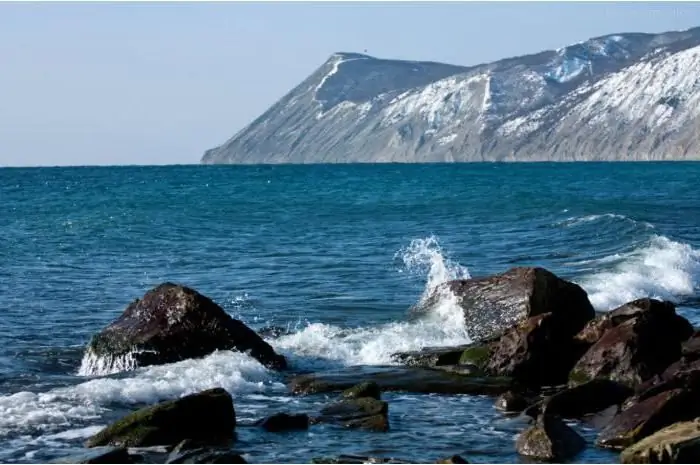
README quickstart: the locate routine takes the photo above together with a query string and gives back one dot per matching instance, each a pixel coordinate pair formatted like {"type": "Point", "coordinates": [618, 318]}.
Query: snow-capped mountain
{"type": "Point", "coordinates": [617, 97]}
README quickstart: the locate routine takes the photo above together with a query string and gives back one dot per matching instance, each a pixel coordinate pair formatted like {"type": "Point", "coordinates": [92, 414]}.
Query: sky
{"type": "Point", "coordinates": [160, 83]}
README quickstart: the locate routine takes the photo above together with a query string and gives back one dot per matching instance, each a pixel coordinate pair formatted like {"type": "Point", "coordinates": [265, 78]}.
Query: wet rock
{"type": "Point", "coordinates": [204, 455]}
{"type": "Point", "coordinates": [649, 416]}
{"type": "Point", "coordinates": [366, 389]}
{"type": "Point", "coordinates": [172, 323]}
{"type": "Point", "coordinates": [588, 398]}
{"type": "Point", "coordinates": [549, 439]}
{"type": "Point", "coordinates": [678, 443]}
{"type": "Point", "coordinates": [363, 413]}
{"type": "Point", "coordinates": [98, 455]}
{"type": "Point", "coordinates": [476, 354]}
{"type": "Point", "coordinates": [399, 378]}
{"type": "Point", "coordinates": [285, 422]}
{"type": "Point", "coordinates": [493, 304]}
{"type": "Point", "coordinates": [513, 402]}
{"type": "Point", "coordinates": [539, 351]}
{"type": "Point", "coordinates": [643, 338]}
{"type": "Point", "coordinates": [453, 459]}
{"type": "Point", "coordinates": [207, 417]}
{"type": "Point", "coordinates": [690, 349]}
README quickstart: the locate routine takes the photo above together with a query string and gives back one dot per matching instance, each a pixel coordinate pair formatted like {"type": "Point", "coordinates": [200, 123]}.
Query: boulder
{"type": "Point", "coordinates": [399, 378]}
{"type": "Point", "coordinates": [493, 304]}
{"type": "Point", "coordinates": [539, 351]}
{"type": "Point", "coordinates": [549, 439]}
{"type": "Point", "coordinates": [642, 339]}
{"type": "Point", "coordinates": [206, 417]}
{"type": "Point", "coordinates": [98, 455]}
{"type": "Point", "coordinates": [678, 443]}
{"type": "Point", "coordinates": [363, 413]}
{"type": "Point", "coordinates": [586, 399]}
{"type": "Point", "coordinates": [172, 323]}
{"type": "Point", "coordinates": [366, 389]}
{"type": "Point", "coordinates": [644, 418]}
{"type": "Point", "coordinates": [285, 422]}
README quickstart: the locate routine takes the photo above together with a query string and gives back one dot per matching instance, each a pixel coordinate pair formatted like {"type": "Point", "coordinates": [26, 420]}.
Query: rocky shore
{"type": "Point", "coordinates": [539, 350]}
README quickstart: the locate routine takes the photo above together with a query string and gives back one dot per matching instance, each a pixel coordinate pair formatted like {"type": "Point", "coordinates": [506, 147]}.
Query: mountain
{"type": "Point", "coordinates": [617, 97]}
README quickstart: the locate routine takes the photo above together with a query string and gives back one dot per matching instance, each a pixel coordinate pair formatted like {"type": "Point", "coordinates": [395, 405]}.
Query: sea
{"type": "Point", "coordinates": [334, 254]}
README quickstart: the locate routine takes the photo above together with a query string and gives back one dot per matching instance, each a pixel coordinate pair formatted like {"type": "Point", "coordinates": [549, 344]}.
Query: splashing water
{"type": "Point", "coordinates": [663, 269]}
{"type": "Point", "coordinates": [319, 345]}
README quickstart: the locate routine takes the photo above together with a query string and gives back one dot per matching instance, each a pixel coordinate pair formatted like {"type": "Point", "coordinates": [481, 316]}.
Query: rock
{"type": "Point", "coordinates": [493, 304]}
{"type": "Point", "coordinates": [208, 417]}
{"type": "Point", "coordinates": [690, 349]}
{"type": "Point", "coordinates": [366, 389]}
{"type": "Point", "coordinates": [285, 422]}
{"type": "Point", "coordinates": [513, 402]}
{"type": "Point", "coordinates": [273, 332]}
{"type": "Point", "coordinates": [439, 356]}
{"type": "Point", "coordinates": [585, 399]}
{"type": "Point", "coordinates": [539, 351]}
{"type": "Point", "coordinates": [172, 323]}
{"type": "Point", "coordinates": [205, 456]}
{"type": "Point", "coordinates": [399, 378]}
{"type": "Point", "coordinates": [649, 416]}
{"type": "Point", "coordinates": [453, 459]}
{"type": "Point", "coordinates": [646, 341]}
{"type": "Point", "coordinates": [98, 455]}
{"type": "Point", "coordinates": [362, 413]}
{"type": "Point", "coordinates": [549, 439]}
{"type": "Point", "coordinates": [678, 443]}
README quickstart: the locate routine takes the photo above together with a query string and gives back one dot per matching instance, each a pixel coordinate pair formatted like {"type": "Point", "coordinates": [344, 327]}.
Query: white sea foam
{"type": "Point", "coordinates": [662, 268]}
{"type": "Point", "coordinates": [580, 220]}
{"type": "Point", "coordinates": [319, 344]}
{"type": "Point", "coordinates": [60, 408]}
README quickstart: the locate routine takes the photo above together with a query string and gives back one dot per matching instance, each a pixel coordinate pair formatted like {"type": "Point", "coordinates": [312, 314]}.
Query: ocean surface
{"type": "Point", "coordinates": [337, 254]}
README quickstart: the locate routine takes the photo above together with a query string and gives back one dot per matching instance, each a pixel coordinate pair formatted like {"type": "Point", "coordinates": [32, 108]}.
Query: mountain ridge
{"type": "Point", "coordinates": [628, 96]}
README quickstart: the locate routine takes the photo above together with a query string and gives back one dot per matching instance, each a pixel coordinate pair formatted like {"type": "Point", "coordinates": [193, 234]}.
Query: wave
{"type": "Point", "coordinates": [579, 220]}
{"type": "Point", "coordinates": [61, 408]}
{"type": "Point", "coordinates": [320, 345]}
{"type": "Point", "coordinates": [661, 268]}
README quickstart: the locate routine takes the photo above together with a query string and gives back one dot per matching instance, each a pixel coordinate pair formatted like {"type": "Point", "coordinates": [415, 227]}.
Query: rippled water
{"type": "Point", "coordinates": [335, 253]}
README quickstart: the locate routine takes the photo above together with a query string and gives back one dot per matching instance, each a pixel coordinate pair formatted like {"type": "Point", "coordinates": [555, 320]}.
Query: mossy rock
{"type": "Point", "coordinates": [206, 417]}
{"type": "Point", "coordinates": [366, 389]}
{"type": "Point", "coordinates": [477, 355]}
{"type": "Point", "coordinates": [577, 377]}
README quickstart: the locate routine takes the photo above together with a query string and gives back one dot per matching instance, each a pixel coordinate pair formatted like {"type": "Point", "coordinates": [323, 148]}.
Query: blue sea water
{"type": "Point", "coordinates": [337, 254]}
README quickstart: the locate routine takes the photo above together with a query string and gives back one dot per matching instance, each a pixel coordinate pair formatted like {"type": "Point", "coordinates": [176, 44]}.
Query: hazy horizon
{"type": "Point", "coordinates": [153, 84]}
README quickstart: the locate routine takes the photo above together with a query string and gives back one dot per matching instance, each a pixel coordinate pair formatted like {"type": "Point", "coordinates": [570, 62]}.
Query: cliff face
{"type": "Point", "coordinates": [617, 97]}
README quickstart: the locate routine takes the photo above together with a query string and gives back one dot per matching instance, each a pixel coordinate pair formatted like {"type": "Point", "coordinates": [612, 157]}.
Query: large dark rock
{"type": "Point", "coordinates": [493, 304]}
{"type": "Point", "coordinates": [98, 455]}
{"type": "Point", "coordinates": [678, 443]}
{"type": "Point", "coordinates": [644, 418]}
{"type": "Point", "coordinates": [639, 341]}
{"type": "Point", "coordinates": [539, 351]}
{"type": "Point", "coordinates": [285, 422]}
{"type": "Point", "coordinates": [206, 417]}
{"type": "Point", "coordinates": [586, 399]}
{"type": "Point", "coordinates": [399, 378]}
{"type": "Point", "coordinates": [363, 413]}
{"type": "Point", "coordinates": [172, 323]}
{"type": "Point", "coordinates": [549, 439]}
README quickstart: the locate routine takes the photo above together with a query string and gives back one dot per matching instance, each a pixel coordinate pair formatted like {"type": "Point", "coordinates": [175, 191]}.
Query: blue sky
{"type": "Point", "coordinates": [157, 83]}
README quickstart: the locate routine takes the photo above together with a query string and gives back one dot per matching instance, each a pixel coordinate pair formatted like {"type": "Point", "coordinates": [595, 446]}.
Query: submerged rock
{"type": "Point", "coordinates": [207, 417]}
{"type": "Point", "coordinates": [453, 459]}
{"type": "Point", "coordinates": [649, 416]}
{"type": "Point", "coordinates": [98, 455]}
{"type": "Point", "coordinates": [357, 459]}
{"type": "Point", "coordinates": [678, 443]}
{"type": "Point", "coordinates": [172, 323]}
{"type": "Point", "coordinates": [549, 439]}
{"type": "Point", "coordinates": [513, 402]}
{"type": "Point", "coordinates": [366, 389]}
{"type": "Point", "coordinates": [285, 422]}
{"type": "Point", "coordinates": [493, 304]}
{"type": "Point", "coordinates": [585, 399]}
{"type": "Point", "coordinates": [187, 452]}
{"type": "Point", "coordinates": [362, 413]}
{"type": "Point", "coordinates": [399, 378]}
{"type": "Point", "coordinates": [639, 340]}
